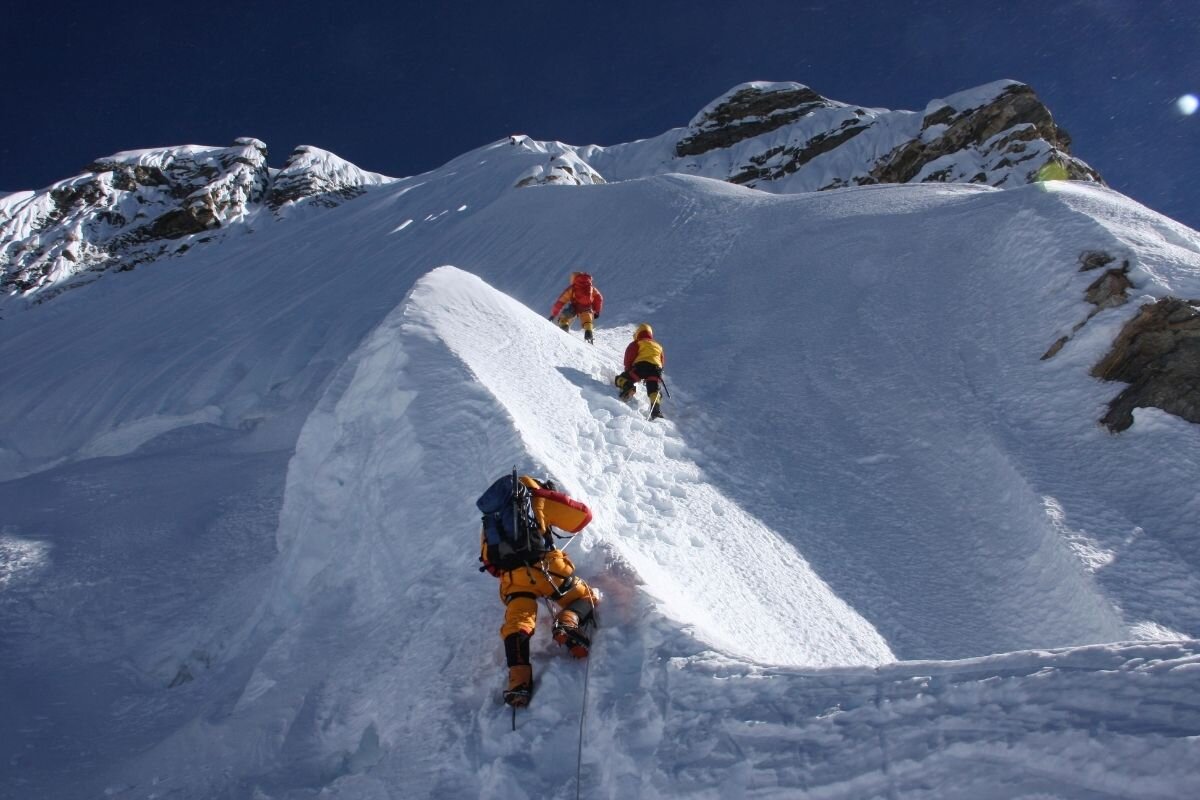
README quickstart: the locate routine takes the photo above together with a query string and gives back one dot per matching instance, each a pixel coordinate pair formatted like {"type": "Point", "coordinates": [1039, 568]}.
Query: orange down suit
{"type": "Point", "coordinates": [543, 579]}
{"type": "Point", "coordinates": [553, 576]}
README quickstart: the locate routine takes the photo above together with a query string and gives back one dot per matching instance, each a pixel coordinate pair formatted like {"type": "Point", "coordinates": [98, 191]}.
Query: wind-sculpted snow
{"type": "Point", "coordinates": [1036, 724]}
{"type": "Point", "coordinates": [453, 388]}
{"type": "Point", "coordinates": [370, 525]}
{"type": "Point", "coordinates": [713, 566]}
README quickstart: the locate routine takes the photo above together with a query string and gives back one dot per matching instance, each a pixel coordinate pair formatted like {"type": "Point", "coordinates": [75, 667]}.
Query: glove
{"type": "Point", "coordinates": [551, 318]}
{"type": "Point", "coordinates": [595, 316]}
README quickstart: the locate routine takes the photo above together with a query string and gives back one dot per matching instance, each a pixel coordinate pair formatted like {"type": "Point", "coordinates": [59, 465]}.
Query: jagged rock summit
{"type": "Point", "coordinates": [126, 209]}
{"type": "Point", "coordinates": [143, 205]}
{"type": "Point", "coordinates": [785, 137]}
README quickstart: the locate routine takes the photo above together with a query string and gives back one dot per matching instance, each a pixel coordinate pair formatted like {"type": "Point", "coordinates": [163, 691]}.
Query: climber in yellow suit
{"type": "Point", "coordinates": [540, 571]}
{"type": "Point", "coordinates": [644, 361]}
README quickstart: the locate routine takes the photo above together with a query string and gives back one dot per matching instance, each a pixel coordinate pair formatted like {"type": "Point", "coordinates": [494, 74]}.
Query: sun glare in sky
{"type": "Point", "coordinates": [1188, 104]}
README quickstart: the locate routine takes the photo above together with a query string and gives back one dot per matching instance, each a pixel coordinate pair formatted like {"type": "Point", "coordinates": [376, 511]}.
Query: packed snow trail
{"type": "Point", "coordinates": [711, 565]}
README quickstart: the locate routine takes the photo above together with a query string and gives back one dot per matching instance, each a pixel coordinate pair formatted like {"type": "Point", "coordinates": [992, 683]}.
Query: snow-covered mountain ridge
{"type": "Point", "coordinates": [879, 548]}
{"type": "Point", "coordinates": [144, 205]}
{"type": "Point", "coordinates": [139, 206]}
{"type": "Point", "coordinates": [784, 137]}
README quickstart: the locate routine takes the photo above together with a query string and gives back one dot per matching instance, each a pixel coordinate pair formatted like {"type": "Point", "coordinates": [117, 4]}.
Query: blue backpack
{"type": "Point", "coordinates": [511, 537]}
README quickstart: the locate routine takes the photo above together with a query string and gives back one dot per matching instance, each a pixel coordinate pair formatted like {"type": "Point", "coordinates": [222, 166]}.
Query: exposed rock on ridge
{"type": "Point", "coordinates": [1107, 291]}
{"type": "Point", "coordinates": [565, 168]}
{"type": "Point", "coordinates": [321, 178]}
{"type": "Point", "coordinates": [785, 138]}
{"type": "Point", "coordinates": [126, 209]}
{"type": "Point", "coordinates": [1158, 354]}
{"type": "Point", "coordinates": [748, 111]}
{"type": "Point", "coordinates": [778, 137]}
{"type": "Point", "coordinates": [141, 205]}
{"type": "Point", "coordinates": [1002, 133]}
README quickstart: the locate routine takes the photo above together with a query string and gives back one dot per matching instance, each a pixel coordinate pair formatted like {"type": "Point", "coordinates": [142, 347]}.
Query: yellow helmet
{"type": "Point", "coordinates": [643, 328]}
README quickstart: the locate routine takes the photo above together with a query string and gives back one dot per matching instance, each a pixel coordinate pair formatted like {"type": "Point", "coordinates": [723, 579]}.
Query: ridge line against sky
{"type": "Point", "coordinates": [403, 89]}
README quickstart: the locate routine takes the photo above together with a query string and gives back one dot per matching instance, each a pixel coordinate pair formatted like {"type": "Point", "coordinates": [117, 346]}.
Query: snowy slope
{"type": "Point", "coordinates": [877, 549]}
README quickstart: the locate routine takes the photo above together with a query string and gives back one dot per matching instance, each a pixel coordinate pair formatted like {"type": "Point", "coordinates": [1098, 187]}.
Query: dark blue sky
{"type": "Point", "coordinates": [400, 87]}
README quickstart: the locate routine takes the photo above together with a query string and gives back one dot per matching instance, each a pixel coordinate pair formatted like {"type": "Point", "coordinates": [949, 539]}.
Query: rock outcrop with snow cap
{"type": "Point", "coordinates": [999, 134]}
{"type": "Point", "coordinates": [785, 137]}
{"type": "Point", "coordinates": [142, 205]}
{"type": "Point", "coordinates": [561, 169]}
{"type": "Point", "coordinates": [320, 178]}
{"type": "Point", "coordinates": [747, 111]}
{"type": "Point", "coordinates": [126, 209]}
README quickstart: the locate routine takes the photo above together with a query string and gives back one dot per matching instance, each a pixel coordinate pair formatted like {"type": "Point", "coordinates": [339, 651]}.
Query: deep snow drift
{"type": "Point", "coordinates": [877, 549]}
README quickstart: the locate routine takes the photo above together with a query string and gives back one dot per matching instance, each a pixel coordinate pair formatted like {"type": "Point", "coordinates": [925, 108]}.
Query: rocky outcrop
{"type": "Point", "coordinates": [124, 210]}
{"type": "Point", "coordinates": [746, 112]}
{"type": "Point", "coordinates": [144, 205]}
{"type": "Point", "coordinates": [1108, 291]}
{"type": "Point", "coordinates": [139, 206]}
{"type": "Point", "coordinates": [318, 177]}
{"type": "Point", "coordinates": [780, 161]}
{"type": "Point", "coordinates": [1004, 137]}
{"type": "Point", "coordinates": [785, 138]}
{"type": "Point", "coordinates": [1158, 354]}
{"type": "Point", "coordinates": [561, 169]}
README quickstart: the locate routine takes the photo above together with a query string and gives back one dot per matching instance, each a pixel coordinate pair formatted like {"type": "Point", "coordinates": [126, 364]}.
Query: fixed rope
{"type": "Point", "coordinates": [587, 669]}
